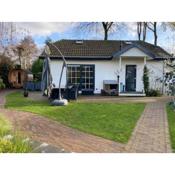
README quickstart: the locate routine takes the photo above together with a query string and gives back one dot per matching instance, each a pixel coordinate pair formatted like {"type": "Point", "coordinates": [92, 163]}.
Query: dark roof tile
{"type": "Point", "coordinates": [101, 48]}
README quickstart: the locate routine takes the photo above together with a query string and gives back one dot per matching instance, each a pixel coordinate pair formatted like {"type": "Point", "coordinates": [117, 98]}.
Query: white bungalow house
{"type": "Point", "coordinates": [95, 65]}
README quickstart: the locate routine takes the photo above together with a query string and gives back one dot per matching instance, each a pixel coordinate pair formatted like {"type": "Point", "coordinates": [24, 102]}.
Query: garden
{"type": "Point", "coordinates": [12, 142]}
{"type": "Point", "coordinates": [108, 120]}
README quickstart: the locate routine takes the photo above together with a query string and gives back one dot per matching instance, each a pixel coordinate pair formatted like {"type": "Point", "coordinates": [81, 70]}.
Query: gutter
{"type": "Point", "coordinates": [80, 57]}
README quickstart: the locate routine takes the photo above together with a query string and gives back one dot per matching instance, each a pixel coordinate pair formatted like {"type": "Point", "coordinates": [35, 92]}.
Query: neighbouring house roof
{"type": "Point", "coordinates": [100, 49]}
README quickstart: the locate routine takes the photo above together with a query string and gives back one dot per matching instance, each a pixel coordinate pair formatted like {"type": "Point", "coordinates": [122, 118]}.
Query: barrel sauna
{"type": "Point", "coordinates": [17, 78]}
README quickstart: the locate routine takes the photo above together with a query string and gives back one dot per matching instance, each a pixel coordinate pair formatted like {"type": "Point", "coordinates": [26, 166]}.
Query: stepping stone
{"type": "Point", "coordinates": [39, 147]}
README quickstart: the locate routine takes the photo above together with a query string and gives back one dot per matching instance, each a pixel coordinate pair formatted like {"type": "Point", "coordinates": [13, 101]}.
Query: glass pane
{"type": "Point", "coordinates": [91, 74]}
{"type": "Point", "coordinates": [78, 80]}
{"type": "Point", "coordinates": [91, 86]}
{"type": "Point", "coordinates": [69, 74]}
{"type": "Point", "coordinates": [87, 80]}
{"type": "Point", "coordinates": [87, 74]}
{"type": "Point", "coordinates": [91, 81]}
{"type": "Point", "coordinates": [69, 81]}
{"type": "Point", "coordinates": [73, 80]}
{"type": "Point", "coordinates": [83, 86]}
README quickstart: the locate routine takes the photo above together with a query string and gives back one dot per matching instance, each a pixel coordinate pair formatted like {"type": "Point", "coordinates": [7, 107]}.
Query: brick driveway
{"type": "Point", "coordinates": [150, 134]}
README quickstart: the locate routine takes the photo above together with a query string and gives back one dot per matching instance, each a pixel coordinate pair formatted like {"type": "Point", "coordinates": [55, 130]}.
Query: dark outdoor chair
{"type": "Point", "coordinates": [71, 92]}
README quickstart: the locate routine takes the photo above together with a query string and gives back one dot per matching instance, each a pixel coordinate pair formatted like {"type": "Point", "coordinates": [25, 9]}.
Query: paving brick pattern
{"type": "Point", "coordinates": [56, 134]}
{"type": "Point", "coordinates": [149, 136]}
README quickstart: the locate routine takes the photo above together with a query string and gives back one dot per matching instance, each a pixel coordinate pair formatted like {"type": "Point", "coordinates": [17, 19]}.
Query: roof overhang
{"type": "Point", "coordinates": [164, 58]}
{"type": "Point", "coordinates": [79, 57]}
{"type": "Point", "coordinates": [118, 54]}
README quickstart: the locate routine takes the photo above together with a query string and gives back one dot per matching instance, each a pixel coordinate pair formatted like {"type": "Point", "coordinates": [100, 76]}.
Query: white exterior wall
{"type": "Point", "coordinates": [134, 56]}
{"type": "Point", "coordinates": [155, 74]}
{"type": "Point", "coordinates": [134, 52]}
{"type": "Point", "coordinates": [139, 62]}
{"type": "Point", "coordinates": [104, 70]}
{"type": "Point", "coordinates": [108, 70]}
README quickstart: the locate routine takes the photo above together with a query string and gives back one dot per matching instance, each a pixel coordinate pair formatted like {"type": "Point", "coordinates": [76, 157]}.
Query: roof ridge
{"type": "Point", "coordinates": [123, 40]}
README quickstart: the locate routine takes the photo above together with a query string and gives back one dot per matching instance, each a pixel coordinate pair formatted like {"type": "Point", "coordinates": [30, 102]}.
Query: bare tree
{"type": "Point", "coordinates": [141, 30]}
{"type": "Point", "coordinates": [106, 26]}
{"type": "Point", "coordinates": [10, 35]}
{"type": "Point", "coordinates": [153, 27]}
{"type": "Point", "coordinates": [169, 24]}
{"type": "Point", "coordinates": [144, 30]}
{"type": "Point", "coordinates": [28, 51]}
{"type": "Point", "coordinates": [97, 26]}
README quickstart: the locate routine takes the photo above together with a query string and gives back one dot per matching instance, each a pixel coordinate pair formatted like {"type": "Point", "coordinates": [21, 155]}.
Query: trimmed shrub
{"type": "Point", "coordinates": [146, 80]}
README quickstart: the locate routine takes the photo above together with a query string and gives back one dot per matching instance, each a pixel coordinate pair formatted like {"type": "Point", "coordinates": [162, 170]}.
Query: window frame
{"type": "Point", "coordinates": [90, 85]}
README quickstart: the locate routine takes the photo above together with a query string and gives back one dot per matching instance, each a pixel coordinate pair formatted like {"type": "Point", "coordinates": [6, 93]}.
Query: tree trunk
{"type": "Point", "coordinates": [153, 27]}
{"type": "Point", "coordinates": [155, 33]}
{"type": "Point", "coordinates": [139, 30]}
{"type": "Point", "coordinates": [105, 28]}
{"type": "Point", "coordinates": [105, 35]}
{"type": "Point", "coordinates": [144, 30]}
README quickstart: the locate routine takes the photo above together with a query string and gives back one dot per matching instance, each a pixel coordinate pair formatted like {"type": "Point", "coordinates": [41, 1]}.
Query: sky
{"type": "Point", "coordinates": [40, 31]}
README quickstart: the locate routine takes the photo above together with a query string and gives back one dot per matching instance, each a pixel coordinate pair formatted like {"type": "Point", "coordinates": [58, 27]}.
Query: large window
{"type": "Point", "coordinates": [87, 77]}
{"type": "Point", "coordinates": [82, 75]}
{"type": "Point", "coordinates": [73, 74]}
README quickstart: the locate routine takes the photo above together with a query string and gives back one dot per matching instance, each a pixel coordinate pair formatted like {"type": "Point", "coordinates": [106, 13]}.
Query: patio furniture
{"type": "Point", "coordinates": [110, 87]}
{"type": "Point", "coordinates": [71, 92]}
{"type": "Point", "coordinates": [112, 92]}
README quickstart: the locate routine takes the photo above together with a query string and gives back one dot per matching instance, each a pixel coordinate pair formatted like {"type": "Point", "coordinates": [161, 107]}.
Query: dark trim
{"type": "Point", "coordinates": [165, 58]}
{"type": "Point", "coordinates": [81, 74]}
{"type": "Point", "coordinates": [135, 76]}
{"type": "Point", "coordinates": [93, 58]}
{"type": "Point", "coordinates": [117, 54]}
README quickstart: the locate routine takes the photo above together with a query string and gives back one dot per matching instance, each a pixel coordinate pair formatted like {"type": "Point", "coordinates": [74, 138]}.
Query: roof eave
{"type": "Point", "coordinates": [117, 54]}
{"type": "Point", "coordinates": [79, 57]}
{"type": "Point", "coordinates": [164, 58]}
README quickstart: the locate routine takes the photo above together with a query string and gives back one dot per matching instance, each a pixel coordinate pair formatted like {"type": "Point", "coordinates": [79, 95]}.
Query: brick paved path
{"type": "Point", "coordinates": [150, 135]}
{"type": "Point", "coordinates": [56, 134]}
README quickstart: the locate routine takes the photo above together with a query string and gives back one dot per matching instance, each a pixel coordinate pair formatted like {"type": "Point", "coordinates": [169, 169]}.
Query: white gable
{"type": "Point", "coordinates": [134, 52]}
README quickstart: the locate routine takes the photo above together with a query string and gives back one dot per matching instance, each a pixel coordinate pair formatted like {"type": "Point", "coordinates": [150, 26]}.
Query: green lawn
{"type": "Point", "coordinates": [109, 120]}
{"type": "Point", "coordinates": [171, 123]}
{"type": "Point", "coordinates": [13, 145]}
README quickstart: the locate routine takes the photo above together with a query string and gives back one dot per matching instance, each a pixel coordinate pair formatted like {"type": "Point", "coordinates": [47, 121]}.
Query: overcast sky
{"type": "Point", "coordinates": [61, 30]}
